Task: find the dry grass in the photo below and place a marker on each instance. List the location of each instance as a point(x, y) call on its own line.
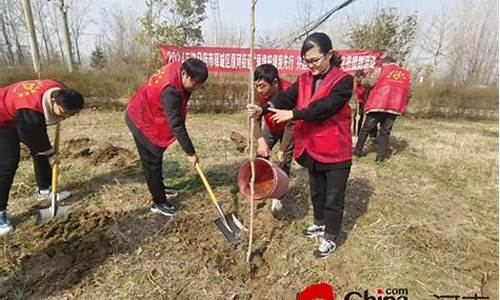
point(427, 220)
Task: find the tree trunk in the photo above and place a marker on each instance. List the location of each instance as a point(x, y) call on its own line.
point(20, 54)
point(3, 57)
point(65, 30)
point(15, 28)
point(59, 43)
point(30, 26)
point(43, 32)
point(77, 49)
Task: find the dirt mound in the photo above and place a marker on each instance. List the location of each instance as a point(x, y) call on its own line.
point(64, 251)
point(98, 153)
point(76, 148)
point(120, 157)
point(239, 140)
point(77, 224)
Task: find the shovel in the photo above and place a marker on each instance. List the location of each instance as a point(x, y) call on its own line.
point(228, 224)
point(54, 211)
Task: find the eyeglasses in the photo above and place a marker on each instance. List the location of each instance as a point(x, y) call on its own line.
point(313, 61)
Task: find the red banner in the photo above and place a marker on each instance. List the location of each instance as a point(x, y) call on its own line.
point(234, 60)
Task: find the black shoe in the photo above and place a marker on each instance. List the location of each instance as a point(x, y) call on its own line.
point(325, 248)
point(379, 160)
point(356, 153)
point(165, 209)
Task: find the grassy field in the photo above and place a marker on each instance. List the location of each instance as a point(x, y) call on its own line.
point(427, 220)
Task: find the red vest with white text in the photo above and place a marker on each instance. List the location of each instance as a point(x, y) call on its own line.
point(328, 141)
point(23, 94)
point(275, 128)
point(145, 108)
point(390, 91)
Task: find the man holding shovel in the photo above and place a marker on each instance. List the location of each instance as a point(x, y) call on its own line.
point(267, 83)
point(156, 117)
point(26, 108)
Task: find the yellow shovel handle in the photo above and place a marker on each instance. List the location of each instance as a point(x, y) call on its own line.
point(205, 182)
point(54, 178)
point(55, 167)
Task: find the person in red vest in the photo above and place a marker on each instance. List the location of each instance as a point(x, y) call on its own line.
point(390, 87)
point(26, 108)
point(318, 102)
point(156, 117)
point(361, 95)
point(267, 83)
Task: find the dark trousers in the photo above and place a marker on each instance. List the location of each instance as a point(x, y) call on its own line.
point(272, 140)
point(386, 121)
point(151, 161)
point(361, 114)
point(327, 195)
point(9, 161)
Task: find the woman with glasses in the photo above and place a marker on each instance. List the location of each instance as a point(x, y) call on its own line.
point(26, 108)
point(318, 102)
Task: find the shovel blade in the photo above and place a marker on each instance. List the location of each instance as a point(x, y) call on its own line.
point(231, 231)
point(45, 215)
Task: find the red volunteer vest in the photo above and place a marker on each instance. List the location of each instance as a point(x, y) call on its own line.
point(275, 128)
point(23, 94)
point(328, 141)
point(145, 108)
point(360, 93)
point(390, 91)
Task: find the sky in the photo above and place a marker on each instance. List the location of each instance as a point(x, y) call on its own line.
point(273, 15)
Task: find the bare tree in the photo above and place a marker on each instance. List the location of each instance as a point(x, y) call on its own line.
point(14, 19)
point(52, 13)
point(434, 41)
point(228, 35)
point(6, 34)
point(78, 19)
point(473, 56)
point(267, 41)
point(45, 29)
point(119, 38)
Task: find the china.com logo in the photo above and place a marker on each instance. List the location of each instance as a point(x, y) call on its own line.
point(382, 294)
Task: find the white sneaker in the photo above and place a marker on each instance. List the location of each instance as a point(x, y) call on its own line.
point(5, 226)
point(276, 206)
point(325, 248)
point(47, 195)
point(315, 230)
